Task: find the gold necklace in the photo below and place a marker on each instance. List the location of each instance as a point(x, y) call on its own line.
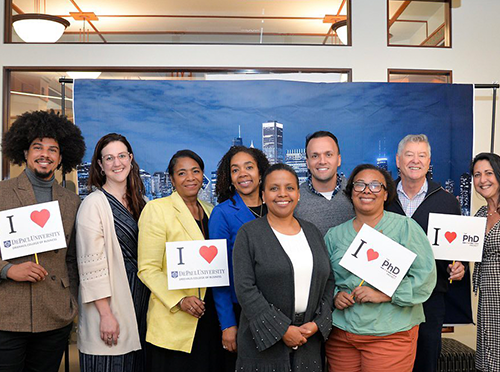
point(258, 215)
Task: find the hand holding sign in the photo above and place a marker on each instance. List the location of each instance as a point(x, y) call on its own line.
point(343, 300)
point(196, 264)
point(367, 294)
point(27, 272)
point(30, 230)
point(457, 238)
point(379, 260)
point(193, 306)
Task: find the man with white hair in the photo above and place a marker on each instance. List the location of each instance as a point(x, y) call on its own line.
point(418, 196)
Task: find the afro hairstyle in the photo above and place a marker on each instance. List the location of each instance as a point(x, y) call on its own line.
point(44, 124)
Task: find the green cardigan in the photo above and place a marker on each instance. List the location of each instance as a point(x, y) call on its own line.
point(405, 309)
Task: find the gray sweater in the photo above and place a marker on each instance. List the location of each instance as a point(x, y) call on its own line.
point(320, 211)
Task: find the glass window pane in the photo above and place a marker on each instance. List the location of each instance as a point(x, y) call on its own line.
point(419, 23)
point(420, 76)
point(189, 21)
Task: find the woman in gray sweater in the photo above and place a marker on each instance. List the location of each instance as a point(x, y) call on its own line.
point(283, 282)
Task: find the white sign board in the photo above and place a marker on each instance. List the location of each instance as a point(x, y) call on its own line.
point(378, 260)
point(459, 238)
point(33, 229)
point(197, 264)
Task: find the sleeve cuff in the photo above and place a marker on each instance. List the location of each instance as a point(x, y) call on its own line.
point(268, 328)
point(3, 273)
point(323, 320)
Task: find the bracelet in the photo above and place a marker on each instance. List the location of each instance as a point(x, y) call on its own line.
point(180, 302)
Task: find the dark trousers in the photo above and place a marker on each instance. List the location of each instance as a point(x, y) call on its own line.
point(33, 352)
point(206, 354)
point(429, 334)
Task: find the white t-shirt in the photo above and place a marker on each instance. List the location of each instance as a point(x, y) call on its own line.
point(298, 250)
point(327, 194)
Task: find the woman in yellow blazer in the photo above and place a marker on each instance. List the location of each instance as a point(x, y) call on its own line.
point(183, 332)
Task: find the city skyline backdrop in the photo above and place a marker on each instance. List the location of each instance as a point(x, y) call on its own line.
point(369, 119)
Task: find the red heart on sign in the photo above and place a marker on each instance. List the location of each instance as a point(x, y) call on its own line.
point(450, 236)
point(208, 253)
point(371, 254)
point(40, 217)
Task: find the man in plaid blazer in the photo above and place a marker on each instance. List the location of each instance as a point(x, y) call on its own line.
point(38, 301)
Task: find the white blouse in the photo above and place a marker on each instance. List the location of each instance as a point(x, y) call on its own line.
point(298, 250)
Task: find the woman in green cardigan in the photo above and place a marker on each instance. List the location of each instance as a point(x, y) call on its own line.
point(372, 331)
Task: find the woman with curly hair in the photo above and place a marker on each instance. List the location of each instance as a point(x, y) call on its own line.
point(107, 233)
point(238, 192)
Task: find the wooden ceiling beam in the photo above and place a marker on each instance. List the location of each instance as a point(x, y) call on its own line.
point(88, 21)
point(202, 16)
point(398, 12)
point(199, 33)
point(17, 9)
point(341, 6)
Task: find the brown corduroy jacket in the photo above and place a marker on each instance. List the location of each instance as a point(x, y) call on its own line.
point(49, 304)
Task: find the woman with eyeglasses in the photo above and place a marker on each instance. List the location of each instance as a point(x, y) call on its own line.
point(183, 331)
point(113, 301)
point(372, 331)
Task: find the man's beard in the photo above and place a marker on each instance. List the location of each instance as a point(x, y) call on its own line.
point(43, 175)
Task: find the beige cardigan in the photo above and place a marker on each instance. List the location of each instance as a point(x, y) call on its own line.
point(102, 274)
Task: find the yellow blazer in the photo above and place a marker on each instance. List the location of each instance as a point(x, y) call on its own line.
point(167, 220)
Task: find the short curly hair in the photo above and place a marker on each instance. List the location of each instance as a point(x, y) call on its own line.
point(44, 124)
point(390, 185)
point(223, 189)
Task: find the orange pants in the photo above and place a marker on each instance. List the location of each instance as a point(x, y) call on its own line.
point(348, 352)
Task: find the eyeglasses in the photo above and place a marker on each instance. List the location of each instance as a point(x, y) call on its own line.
point(122, 157)
point(374, 186)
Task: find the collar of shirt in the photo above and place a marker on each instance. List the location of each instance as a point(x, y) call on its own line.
point(411, 205)
point(335, 191)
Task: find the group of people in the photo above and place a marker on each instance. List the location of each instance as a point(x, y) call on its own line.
point(290, 305)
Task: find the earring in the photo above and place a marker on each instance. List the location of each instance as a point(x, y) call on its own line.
point(102, 173)
point(131, 166)
point(231, 188)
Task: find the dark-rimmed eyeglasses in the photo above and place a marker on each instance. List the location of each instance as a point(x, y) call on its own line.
point(374, 186)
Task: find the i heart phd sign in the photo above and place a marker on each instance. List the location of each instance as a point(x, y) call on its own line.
point(459, 238)
point(197, 264)
point(377, 259)
point(33, 229)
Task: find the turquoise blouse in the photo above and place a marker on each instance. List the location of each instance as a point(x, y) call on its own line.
point(405, 309)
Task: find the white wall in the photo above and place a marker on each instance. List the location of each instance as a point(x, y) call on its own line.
point(473, 58)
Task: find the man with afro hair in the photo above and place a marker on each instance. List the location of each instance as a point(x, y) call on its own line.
point(38, 301)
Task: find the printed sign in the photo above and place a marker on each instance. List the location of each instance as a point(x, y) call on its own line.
point(33, 229)
point(377, 259)
point(459, 238)
point(197, 264)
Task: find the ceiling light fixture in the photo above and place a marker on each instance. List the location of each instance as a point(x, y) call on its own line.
point(39, 28)
point(340, 29)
